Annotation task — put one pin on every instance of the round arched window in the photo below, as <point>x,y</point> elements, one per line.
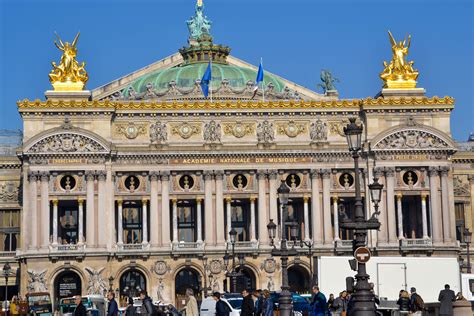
<point>131,283</point>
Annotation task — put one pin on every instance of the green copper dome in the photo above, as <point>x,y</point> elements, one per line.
<point>184,77</point>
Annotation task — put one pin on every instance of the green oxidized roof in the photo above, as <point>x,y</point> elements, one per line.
<point>185,77</point>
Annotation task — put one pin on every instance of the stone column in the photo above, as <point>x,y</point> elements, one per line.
<point>316,214</point>
<point>119,223</point>
<point>272,203</point>
<point>436,213</point>
<point>445,205</point>
<point>174,201</point>
<point>262,207</point>
<point>424,217</point>
<point>90,207</point>
<point>110,236</point>
<point>25,232</point>
<point>210,221</point>
<point>145,221</point>
<point>165,208</point>
<point>400,215</point>
<point>452,211</point>
<point>33,223</point>
<point>253,236</point>
<point>45,218</point>
<point>390,211</point>
<point>228,201</point>
<point>336,217</point>
<point>102,195</point>
<point>306,218</point>
<point>199,220</point>
<point>55,222</point>
<point>469,215</point>
<point>219,175</point>
<point>154,226</point>
<point>327,206</point>
<point>80,206</point>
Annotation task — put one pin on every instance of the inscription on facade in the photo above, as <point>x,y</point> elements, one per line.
<point>195,161</point>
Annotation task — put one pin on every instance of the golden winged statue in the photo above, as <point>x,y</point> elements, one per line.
<point>69,75</point>
<point>399,74</point>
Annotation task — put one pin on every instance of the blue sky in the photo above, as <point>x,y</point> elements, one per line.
<point>296,39</point>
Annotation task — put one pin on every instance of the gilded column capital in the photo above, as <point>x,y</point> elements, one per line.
<point>165,175</point>
<point>423,196</point>
<point>305,199</point>
<point>399,195</point>
<point>199,199</point>
<point>101,175</point>
<point>144,200</point>
<point>119,202</point>
<point>219,174</point>
<point>334,198</point>
<point>326,173</point>
<point>80,201</point>
<point>228,199</point>
<point>252,199</point>
<point>55,202</point>
<point>174,200</point>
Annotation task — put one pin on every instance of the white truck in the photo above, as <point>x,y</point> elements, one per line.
<point>392,274</point>
<point>467,285</point>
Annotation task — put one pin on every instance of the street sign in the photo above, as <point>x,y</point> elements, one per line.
<point>362,254</point>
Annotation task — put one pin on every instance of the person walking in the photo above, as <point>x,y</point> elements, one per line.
<point>267,309</point>
<point>446,298</point>
<point>222,309</point>
<point>330,304</point>
<point>339,306</point>
<point>14,306</point>
<point>258,295</point>
<point>147,305</point>
<point>248,305</point>
<point>404,303</point>
<point>80,309</point>
<point>112,308</point>
<point>130,310</point>
<point>191,303</point>
<point>417,305</point>
<point>318,303</point>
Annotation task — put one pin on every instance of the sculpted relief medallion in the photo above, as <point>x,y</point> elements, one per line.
<point>160,267</point>
<point>9,192</point>
<point>131,130</point>
<point>291,129</point>
<point>239,129</point>
<point>215,266</point>
<point>185,130</point>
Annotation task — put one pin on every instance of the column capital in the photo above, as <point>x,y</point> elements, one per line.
<point>334,198</point>
<point>252,198</point>
<point>399,195</point>
<point>444,171</point>
<point>228,199</point>
<point>165,175</point>
<point>326,173</point>
<point>80,200</point>
<point>272,174</point>
<point>144,200</point>
<point>55,202</point>
<point>32,176</point>
<point>433,172</point>
<point>90,175</point>
<point>199,199</point>
<point>44,175</point>
<point>305,199</point>
<point>154,175</point>
<point>261,174</point>
<point>174,199</point>
<point>389,172</point>
<point>119,202</point>
<point>208,175</point>
<point>423,196</point>
<point>471,178</point>
<point>314,173</point>
<point>101,175</point>
<point>378,172</point>
<point>219,174</point>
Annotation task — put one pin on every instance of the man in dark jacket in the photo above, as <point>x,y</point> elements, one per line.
<point>112,308</point>
<point>147,306</point>
<point>222,309</point>
<point>80,309</point>
<point>446,298</point>
<point>248,305</point>
<point>319,306</point>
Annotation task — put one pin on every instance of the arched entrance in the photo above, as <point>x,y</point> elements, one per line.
<point>67,284</point>
<point>246,281</point>
<point>187,278</point>
<point>131,283</point>
<point>298,279</point>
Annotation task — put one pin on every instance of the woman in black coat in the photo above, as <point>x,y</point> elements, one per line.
<point>404,302</point>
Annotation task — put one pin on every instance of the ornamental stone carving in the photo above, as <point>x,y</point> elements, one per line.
<point>265,132</point>
<point>269,265</point>
<point>160,267</point>
<point>318,131</point>
<point>9,192</point>
<point>96,283</point>
<point>37,281</point>
<point>130,130</point>
<point>337,128</point>
<point>215,266</point>
<point>291,129</point>
<point>212,132</point>
<point>461,188</point>
<point>239,129</point>
<point>411,139</point>
<point>158,133</point>
<point>185,130</point>
<point>68,143</point>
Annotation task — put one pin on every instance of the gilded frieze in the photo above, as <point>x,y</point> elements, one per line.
<point>239,129</point>
<point>130,130</point>
<point>291,129</point>
<point>185,130</point>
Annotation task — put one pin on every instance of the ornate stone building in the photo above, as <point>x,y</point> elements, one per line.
<point>136,184</point>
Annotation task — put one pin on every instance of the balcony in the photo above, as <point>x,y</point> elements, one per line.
<point>188,247</point>
<point>342,245</point>
<point>7,254</point>
<point>425,244</point>
<point>133,247</point>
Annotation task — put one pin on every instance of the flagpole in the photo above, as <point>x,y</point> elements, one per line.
<point>263,82</point>
<point>210,80</point>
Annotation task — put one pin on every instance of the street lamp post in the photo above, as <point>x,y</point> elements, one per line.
<point>284,302</point>
<point>363,297</point>
<point>233,274</point>
<point>6,274</point>
<point>467,239</point>
<point>111,283</point>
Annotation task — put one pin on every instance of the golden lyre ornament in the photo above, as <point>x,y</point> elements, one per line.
<point>399,74</point>
<point>69,75</point>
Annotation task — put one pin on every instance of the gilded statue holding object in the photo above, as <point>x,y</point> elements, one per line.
<point>69,75</point>
<point>399,74</point>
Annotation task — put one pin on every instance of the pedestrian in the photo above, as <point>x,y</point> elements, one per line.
<point>258,302</point>
<point>446,298</point>
<point>267,309</point>
<point>339,306</point>
<point>248,305</point>
<point>460,297</point>
<point>222,309</point>
<point>404,303</point>
<point>14,306</point>
<point>130,310</point>
<point>417,305</point>
<point>112,308</point>
<point>147,305</point>
<point>191,303</point>
<point>318,303</point>
<point>80,309</point>
<point>330,304</point>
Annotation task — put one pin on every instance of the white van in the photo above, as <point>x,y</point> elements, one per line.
<point>208,307</point>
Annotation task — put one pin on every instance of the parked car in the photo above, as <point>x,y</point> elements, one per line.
<point>300,304</point>
<point>208,305</point>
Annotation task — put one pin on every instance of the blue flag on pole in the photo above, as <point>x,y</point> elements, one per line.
<point>205,81</point>
<point>258,79</point>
